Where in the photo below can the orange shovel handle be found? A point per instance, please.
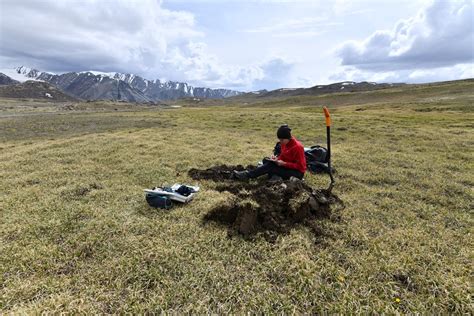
(328, 116)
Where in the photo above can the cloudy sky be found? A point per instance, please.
(244, 45)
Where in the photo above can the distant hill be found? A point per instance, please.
(122, 87)
(395, 94)
(34, 90)
(345, 86)
(5, 80)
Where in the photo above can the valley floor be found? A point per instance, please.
(76, 234)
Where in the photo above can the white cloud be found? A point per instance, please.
(348, 7)
(275, 73)
(195, 64)
(144, 39)
(460, 71)
(150, 39)
(307, 26)
(101, 35)
(439, 35)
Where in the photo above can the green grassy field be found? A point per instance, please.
(76, 234)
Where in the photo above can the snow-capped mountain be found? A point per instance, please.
(6, 80)
(92, 85)
(19, 74)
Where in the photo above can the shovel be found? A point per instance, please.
(328, 137)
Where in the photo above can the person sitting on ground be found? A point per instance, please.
(291, 161)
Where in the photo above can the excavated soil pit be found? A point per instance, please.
(217, 173)
(271, 208)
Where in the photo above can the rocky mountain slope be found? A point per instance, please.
(92, 85)
(34, 90)
(5, 80)
(127, 87)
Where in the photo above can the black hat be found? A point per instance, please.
(284, 132)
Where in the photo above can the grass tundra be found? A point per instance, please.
(76, 234)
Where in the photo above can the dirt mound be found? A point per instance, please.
(270, 208)
(216, 173)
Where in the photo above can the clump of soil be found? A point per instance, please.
(270, 208)
(217, 173)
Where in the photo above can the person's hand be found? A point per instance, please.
(280, 163)
(273, 157)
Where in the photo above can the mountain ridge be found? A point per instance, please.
(337, 87)
(6, 80)
(33, 90)
(92, 85)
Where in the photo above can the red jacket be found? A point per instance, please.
(293, 154)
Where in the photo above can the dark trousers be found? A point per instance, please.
(271, 168)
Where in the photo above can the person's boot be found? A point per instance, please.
(275, 178)
(241, 175)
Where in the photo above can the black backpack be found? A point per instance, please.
(277, 149)
(317, 159)
(316, 153)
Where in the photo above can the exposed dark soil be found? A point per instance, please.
(271, 208)
(216, 173)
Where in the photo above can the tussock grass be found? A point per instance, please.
(76, 234)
